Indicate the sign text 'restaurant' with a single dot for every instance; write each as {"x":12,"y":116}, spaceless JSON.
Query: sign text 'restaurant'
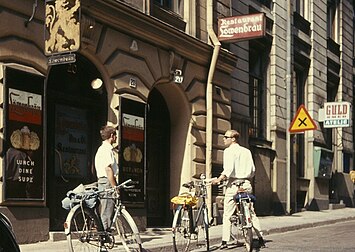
{"x":241,"y":27}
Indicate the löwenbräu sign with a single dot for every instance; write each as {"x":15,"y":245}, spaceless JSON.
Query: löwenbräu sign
{"x":237,"y":28}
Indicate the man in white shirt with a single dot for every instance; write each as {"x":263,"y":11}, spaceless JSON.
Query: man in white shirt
{"x":237,"y":164}
{"x":106,"y":171}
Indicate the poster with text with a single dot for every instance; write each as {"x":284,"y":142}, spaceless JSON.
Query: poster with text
{"x":24,"y":169}
{"x":71,"y":142}
{"x":132,"y":150}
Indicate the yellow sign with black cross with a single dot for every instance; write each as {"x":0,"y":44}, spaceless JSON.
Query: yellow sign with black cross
{"x":302,"y":121}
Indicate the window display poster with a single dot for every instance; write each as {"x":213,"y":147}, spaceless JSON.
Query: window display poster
{"x":24,"y":175}
{"x":71,"y":142}
{"x":132,"y":150}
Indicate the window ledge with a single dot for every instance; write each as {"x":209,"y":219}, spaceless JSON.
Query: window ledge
{"x":168,"y":17}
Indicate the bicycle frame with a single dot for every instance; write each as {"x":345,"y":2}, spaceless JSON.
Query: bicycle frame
{"x":186,"y":224}
{"x":243,"y":208}
{"x":242,"y":218}
{"x":94,"y":231}
{"x":195,"y":220}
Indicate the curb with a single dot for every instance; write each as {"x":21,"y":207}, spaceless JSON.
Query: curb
{"x":305,"y":225}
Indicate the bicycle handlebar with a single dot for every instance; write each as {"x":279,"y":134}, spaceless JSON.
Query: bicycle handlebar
{"x":129,"y":183}
{"x":203,"y":182}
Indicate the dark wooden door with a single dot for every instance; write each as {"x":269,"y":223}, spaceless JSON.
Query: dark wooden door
{"x":75,"y":113}
{"x":158,"y":161}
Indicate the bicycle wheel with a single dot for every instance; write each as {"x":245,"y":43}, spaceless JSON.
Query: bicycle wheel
{"x":248,"y":238}
{"x":82,"y":230}
{"x":205,"y":228}
{"x":235,"y":229}
{"x":128,"y":232}
{"x":181,"y":229}
{"x":247,"y":227}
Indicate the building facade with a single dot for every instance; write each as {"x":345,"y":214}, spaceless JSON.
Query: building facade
{"x":171,"y":89}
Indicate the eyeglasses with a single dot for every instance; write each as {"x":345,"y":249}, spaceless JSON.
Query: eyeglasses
{"x":227,"y":137}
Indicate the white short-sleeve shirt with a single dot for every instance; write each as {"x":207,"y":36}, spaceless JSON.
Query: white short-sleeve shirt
{"x":238,"y":162}
{"x":105,"y":157}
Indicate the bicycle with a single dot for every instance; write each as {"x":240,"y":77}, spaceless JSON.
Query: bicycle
{"x":241,"y":220}
{"x":186,"y":226}
{"x":84,"y":228}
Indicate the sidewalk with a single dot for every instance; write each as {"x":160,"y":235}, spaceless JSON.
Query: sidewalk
{"x":155,"y":239}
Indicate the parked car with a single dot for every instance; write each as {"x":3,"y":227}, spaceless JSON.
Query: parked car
{"x":8,"y":240}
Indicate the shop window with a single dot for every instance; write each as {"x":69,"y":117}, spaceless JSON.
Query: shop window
{"x":333,"y":20}
{"x":23,"y":153}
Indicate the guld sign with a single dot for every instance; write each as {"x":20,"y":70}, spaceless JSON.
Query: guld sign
{"x":237,"y":28}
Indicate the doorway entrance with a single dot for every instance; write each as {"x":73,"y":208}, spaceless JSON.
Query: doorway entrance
{"x":158,"y":161}
{"x":75,"y":113}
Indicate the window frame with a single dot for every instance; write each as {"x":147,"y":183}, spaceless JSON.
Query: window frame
{"x":257,"y":88}
{"x":176,"y":6}
{"x":333,"y":20}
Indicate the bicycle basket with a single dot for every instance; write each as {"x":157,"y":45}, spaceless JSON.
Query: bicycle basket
{"x":184,"y":199}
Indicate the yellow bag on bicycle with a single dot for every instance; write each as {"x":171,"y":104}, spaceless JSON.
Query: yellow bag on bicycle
{"x":184,"y":199}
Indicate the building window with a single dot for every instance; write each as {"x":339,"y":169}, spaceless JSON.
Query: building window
{"x":347,"y":160}
{"x":333,"y":20}
{"x":256,"y":108}
{"x":266,"y":3}
{"x":302,"y":8}
{"x":173,"y":5}
{"x":170,"y":12}
{"x":332,"y":90}
{"x":298,"y":98}
{"x":257,"y":100}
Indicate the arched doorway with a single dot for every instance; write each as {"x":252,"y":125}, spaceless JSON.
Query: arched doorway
{"x":75,"y":113}
{"x":158,"y":161}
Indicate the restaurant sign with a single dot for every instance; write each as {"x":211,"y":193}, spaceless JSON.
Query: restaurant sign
{"x":237,"y":28}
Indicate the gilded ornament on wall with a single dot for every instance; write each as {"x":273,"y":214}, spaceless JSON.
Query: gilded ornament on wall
{"x":62,"y":27}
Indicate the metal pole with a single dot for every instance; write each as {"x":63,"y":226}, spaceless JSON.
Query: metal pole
{"x":209,"y":97}
{"x":288,"y":109}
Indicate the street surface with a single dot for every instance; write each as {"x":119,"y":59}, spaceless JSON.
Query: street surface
{"x":330,"y":238}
